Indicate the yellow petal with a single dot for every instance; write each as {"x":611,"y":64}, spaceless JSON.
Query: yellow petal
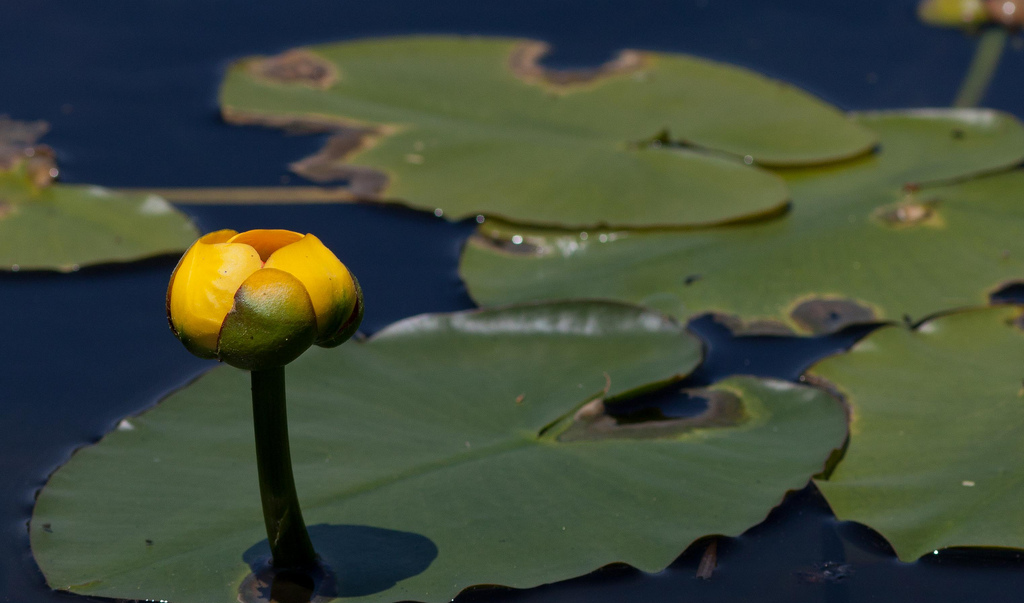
{"x":326,"y":279}
{"x":266,"y":242}
{"x":203,"y":288}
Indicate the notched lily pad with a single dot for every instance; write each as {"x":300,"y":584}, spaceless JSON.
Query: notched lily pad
{"x":50,"y":226}
{"x":929,"y":223}
{"x":593,"y":421}
{"x":446,"y":432}
{"x":933,"y":458}
{"x":469,"y":126}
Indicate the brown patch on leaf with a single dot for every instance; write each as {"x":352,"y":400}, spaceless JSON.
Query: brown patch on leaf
{"x":825,"y":316}
{"x":41,"y":166}
{"x":328,"y":164}
{"x":18,"y":150}
{"x":525,"y":64}
{"x":592,"y":422}
{"x":909,"y":213}
{"x":295,"y":67}
{"x":1009,"y":13}
{"x":740,"y":327}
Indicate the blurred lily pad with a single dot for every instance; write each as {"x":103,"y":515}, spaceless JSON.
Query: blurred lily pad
{"x":50,"y":226}
{"x":468,"y":126}
{"x":449,"y":450}
{"x":935,"y":446}
{"x":914,"y":229}
{"x":971,"y":14}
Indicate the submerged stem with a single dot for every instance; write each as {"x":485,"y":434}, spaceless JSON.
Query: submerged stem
{"x":289,"y":542}
{"x":983,"y":67}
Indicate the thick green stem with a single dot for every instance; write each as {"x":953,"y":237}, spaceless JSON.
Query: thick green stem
{"x":983,"y":67}
{"x":289,"y":542}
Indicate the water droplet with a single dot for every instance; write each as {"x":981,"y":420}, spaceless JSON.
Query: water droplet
{"x":583,"y":236}
{"x":53,"y":172}
{"x":603,"y":238}
{"x":968,"y":483}
{"x":517,"y":240}
{"x":15,"y":268}
{"x":438,"y":212}
{"x":748,"y":159}
{"x":480,"y":219}
{"x":125,"y":425}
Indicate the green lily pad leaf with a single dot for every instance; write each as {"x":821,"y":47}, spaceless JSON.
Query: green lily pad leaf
{"x":446,"y":451}
{"x":878,"y":238}
{"x":468,"y":126}
{"x":47,"y":226}
{"x":933,"y":458}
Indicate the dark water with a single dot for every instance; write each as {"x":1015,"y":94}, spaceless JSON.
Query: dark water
{"x":129,"y":88}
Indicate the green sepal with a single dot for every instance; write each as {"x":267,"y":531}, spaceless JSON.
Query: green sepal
{"x":351,"y":325}
{"x":271,"y":323}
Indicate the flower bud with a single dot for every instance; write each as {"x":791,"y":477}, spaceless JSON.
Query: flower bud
{"x":258,"y":299}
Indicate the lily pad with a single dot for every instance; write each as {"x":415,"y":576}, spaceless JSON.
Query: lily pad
{"x":935,"y":447}
{"x":878,"y":238}
{"x":48,"y":226}
{"x":468,"y":126}
{"x":447,"y":451}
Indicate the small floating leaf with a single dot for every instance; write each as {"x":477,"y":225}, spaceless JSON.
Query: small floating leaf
{"x":935,"y":446}
{"x":48,"y":226}
{"x":876,"y":238}
{"x":468,"y":126}
{"x":434,"y":454}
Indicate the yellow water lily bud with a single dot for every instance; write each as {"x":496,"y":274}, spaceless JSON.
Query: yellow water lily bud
{"x":258,"y":299}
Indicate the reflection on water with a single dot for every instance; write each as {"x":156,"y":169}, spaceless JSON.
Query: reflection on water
{"x":355,"y":561}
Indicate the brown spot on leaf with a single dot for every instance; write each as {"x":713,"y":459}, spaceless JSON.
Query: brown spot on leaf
{"x":328,"y":164}
{"x":18,"y":149}
{"x":295,"y":67}
{"x":910,"y":212}
{"x":824,"y":316}
{"x":525,"y":64}
{"x":41,"y":166}
{"x":592,"y":421}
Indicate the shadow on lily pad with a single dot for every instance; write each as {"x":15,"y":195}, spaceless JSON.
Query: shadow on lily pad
{"x":357,"y":561}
